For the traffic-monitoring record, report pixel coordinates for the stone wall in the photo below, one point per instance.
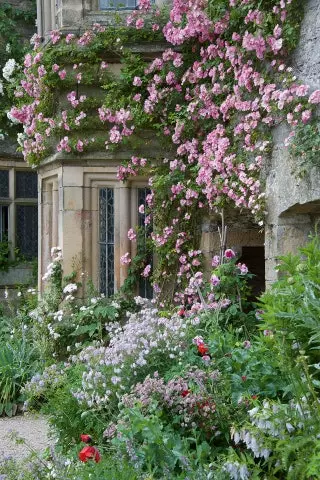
(293, 203)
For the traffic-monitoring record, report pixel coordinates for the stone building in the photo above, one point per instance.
(18, 187)
(85, 210)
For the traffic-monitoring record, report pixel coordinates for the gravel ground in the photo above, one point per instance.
(33, 429)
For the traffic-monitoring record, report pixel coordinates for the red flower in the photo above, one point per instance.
(243, 378)
(203, 349)
(85, 438)
(184, 393)
(181, 312)
(89, 453)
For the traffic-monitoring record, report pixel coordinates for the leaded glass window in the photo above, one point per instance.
(4, 183)
(117, 4)
(106, 240)
(4, 222)
(145, 287)
(27, 230)
(26, 184)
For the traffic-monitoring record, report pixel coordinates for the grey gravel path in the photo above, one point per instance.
(34, 429)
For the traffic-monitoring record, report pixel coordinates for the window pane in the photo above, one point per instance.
(4, 221)
(27, 230)
(109, 4)
(4, 183)
(106, 237)
(26, 185)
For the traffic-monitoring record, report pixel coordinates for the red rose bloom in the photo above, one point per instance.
(85, 438)
(184, 393)
(203, 349)
(89, 453)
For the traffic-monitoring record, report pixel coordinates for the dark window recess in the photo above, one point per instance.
(4, 183)
(4, 222)
(26, 185)
(27, 230)
(106, 240)
(145, 287)
(253, 257)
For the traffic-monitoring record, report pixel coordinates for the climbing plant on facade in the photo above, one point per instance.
(212, 98)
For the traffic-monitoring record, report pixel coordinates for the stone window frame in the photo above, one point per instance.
(12, 201)
(125, 217)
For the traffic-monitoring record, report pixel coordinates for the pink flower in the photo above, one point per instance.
(137, 97)
(62, 74)
(243, 268)
(55, 67)
(79, 146)
(146, 271)
(137, 82)
(132, 234)
(314, 97)
(214, 280)
(141, 208)
(55, 36)
(155, 27)
(139, 23)
(229, 253)
(215, 261)
(69, 37)
(306, 115)
(125, 259)
(103, 65)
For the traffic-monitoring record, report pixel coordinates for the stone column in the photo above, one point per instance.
(55, 214)
(45, 227)
(124, 216)
(47, 16)
(287, 235)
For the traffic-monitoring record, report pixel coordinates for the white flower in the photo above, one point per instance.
(70, 288)
(1, 88)
(12, 119)
(8, 69)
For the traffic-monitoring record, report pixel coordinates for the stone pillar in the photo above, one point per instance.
(40, 15)
(286, 236)
(47, 16)
(45, 227)
(70, 14)
(55, 214)
(124, 215)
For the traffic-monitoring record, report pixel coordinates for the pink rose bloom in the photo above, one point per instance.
(155, 27)
(125, 259)
(314, 97)
(137, 97)
(229, 253)
(306, 115)
(103, 65)
(139, 23)
(55, 67)
(132, 234)
(141, 208)
(146, 271)
(243, 268)
(62, 74)
(215, 261)
(137, 82)
(69, 37)
(79, 146)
